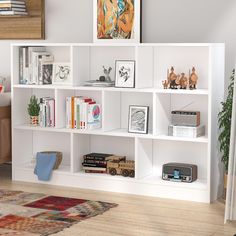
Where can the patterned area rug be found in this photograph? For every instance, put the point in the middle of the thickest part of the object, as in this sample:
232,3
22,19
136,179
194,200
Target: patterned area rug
34,214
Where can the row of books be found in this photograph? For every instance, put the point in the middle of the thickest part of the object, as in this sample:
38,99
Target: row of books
82,113
35,65
47,112
13,7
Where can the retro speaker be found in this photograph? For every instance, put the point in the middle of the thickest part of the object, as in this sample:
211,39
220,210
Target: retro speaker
179,172
185,118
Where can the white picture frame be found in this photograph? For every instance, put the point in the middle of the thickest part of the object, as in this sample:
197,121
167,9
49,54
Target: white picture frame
62,73
109,36
125,74
138,119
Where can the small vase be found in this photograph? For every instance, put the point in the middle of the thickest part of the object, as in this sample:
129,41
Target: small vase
34,120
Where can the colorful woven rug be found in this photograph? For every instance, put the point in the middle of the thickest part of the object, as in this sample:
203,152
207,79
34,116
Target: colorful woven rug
34,214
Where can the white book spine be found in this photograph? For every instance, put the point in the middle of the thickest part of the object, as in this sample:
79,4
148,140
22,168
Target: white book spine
41,115
47,114
69,125
40,77
67,113
34,68
21,80
30,59
25,66
52,112
84,107
81,115
44,115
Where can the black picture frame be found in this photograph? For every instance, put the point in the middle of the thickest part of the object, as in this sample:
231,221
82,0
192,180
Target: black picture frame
140,128
117,83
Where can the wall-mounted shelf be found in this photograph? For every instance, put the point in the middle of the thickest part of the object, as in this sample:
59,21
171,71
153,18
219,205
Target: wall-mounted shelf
150,151
31,26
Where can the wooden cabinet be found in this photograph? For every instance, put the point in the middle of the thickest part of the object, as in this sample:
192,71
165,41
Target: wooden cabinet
25,27
5,134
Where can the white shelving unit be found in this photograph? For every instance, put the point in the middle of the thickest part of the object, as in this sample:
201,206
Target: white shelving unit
149,151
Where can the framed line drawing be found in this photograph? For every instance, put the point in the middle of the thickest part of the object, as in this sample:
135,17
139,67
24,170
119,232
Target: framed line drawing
138,119
62,73
117,21
125,74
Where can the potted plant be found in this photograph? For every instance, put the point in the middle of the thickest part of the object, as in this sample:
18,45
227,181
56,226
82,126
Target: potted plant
224,121
33,110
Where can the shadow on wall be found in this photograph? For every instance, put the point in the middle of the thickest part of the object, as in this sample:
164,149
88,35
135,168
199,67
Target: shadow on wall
183,20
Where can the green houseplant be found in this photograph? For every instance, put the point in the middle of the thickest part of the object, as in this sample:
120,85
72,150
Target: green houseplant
33,110
224,121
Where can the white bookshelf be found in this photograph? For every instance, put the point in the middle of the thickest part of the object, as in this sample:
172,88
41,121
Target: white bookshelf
149,151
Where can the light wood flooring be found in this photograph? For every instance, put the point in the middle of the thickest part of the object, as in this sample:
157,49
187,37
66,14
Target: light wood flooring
136,215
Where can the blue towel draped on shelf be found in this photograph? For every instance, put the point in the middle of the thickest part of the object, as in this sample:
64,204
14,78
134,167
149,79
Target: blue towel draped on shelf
44,165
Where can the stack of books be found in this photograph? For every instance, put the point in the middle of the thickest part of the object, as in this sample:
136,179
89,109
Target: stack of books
97,83
12,7
186,124
95,162
36,66
82,113
47,112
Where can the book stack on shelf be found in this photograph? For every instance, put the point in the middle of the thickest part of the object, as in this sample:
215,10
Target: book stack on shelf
36,66
13,7
47,112
186,124
97,162
82,113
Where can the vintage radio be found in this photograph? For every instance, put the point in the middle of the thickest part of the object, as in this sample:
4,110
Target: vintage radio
179,172
185,118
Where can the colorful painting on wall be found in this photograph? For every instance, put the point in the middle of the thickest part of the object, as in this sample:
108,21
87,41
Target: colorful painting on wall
117,21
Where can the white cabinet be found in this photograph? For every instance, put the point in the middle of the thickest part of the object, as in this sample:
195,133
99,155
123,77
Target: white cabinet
150,151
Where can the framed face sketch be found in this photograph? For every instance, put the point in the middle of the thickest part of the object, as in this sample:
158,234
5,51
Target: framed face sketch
47,73
125,74
138,119
62,73
117,21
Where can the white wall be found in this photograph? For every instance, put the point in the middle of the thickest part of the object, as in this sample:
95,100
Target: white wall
192,21
163,21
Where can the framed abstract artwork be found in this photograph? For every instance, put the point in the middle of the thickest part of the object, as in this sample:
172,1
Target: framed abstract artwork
117,21
138,119
125,74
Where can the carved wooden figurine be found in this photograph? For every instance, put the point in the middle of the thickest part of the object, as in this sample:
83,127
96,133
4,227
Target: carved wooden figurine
193,78
165,84
172,78
183,81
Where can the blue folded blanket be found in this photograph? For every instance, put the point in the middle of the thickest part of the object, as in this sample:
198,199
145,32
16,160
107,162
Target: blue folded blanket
44,165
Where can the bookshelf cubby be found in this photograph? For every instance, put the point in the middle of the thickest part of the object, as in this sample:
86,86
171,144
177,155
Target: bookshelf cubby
150,151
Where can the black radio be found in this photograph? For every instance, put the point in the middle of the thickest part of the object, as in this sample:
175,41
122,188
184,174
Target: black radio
179,172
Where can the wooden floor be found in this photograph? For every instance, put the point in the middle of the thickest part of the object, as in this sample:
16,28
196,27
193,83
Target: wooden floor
136,215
